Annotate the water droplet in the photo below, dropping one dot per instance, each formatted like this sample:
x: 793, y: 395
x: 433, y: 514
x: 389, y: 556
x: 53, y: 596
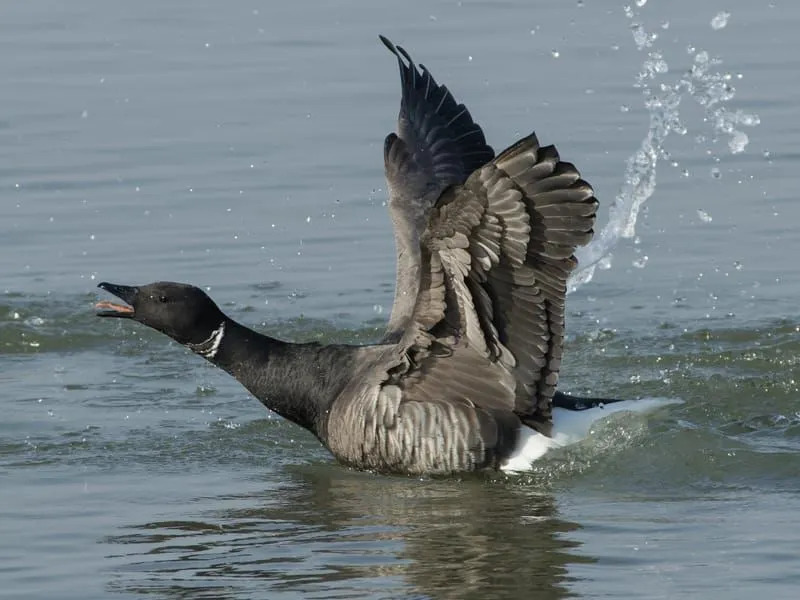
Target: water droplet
x: 555, y: 53
x: 715, y: 172
x: 737, y: 265
x: 640, y: 37
x: 624, y: 108
x: 720, y: 20
x: 641, y: 262
x: 704, y: 216
x: 738, y: 142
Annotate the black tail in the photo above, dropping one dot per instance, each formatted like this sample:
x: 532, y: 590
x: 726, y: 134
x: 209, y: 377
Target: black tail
x: 568, y: 402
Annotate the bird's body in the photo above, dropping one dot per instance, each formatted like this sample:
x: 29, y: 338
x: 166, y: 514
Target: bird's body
x: 465, y: 377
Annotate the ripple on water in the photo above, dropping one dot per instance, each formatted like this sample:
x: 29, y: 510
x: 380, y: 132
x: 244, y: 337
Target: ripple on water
x: 257, y: 503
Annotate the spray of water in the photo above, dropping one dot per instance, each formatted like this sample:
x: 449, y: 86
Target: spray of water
x: 703, y: 83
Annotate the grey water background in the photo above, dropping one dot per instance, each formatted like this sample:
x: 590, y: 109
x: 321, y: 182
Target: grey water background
x: 238, y: 146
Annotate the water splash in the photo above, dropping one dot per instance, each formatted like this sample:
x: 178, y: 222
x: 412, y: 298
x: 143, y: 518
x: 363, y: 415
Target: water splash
x: 704, y: 84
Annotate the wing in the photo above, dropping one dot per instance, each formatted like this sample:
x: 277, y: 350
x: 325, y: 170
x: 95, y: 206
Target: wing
x: 437, y: 144
x: 495, y: 258
x: 484, y: 348
x: 411, y: 417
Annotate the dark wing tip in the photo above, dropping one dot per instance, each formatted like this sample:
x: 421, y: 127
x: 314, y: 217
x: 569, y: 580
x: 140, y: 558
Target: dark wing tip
x: 398, y: 51
x: 407, y: 56
x: 446, y: 143
x: 388, y: 43
x: 408, y: 70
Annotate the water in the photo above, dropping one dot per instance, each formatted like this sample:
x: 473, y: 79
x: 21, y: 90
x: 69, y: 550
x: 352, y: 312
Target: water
x: 239, y: 148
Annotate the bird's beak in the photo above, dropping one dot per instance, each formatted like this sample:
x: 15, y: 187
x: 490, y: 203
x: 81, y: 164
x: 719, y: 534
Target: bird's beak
x: 123, y: 292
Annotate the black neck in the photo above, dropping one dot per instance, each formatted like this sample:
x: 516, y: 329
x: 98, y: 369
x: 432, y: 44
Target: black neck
x: 297, y: 381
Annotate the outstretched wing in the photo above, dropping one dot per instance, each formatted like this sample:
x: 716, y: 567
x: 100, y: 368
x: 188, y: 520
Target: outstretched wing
x: 496, y: 256
x: 483, y: 350
x: 437, y: 144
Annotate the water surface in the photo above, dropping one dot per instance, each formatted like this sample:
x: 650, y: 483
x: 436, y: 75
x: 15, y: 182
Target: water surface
x: 239, y: 148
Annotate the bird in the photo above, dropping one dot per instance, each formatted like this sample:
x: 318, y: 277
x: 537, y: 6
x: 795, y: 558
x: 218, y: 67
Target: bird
x: 465, y: 377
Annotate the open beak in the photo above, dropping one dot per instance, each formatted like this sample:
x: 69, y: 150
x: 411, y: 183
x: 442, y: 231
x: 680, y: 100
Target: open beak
x: 110, y: 309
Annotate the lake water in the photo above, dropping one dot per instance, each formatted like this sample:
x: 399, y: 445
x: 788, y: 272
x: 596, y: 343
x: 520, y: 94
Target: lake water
x: 238, y: 146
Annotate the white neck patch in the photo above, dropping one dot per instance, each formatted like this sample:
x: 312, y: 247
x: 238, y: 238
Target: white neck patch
x: 210, y: 347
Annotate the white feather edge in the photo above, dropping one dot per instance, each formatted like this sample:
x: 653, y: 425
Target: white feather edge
x: 571, y: 427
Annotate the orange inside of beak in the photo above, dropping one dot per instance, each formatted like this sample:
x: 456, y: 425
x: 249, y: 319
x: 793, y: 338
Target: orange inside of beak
x: 120, y: 308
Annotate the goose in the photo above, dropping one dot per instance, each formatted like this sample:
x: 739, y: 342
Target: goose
x: 465, y: 377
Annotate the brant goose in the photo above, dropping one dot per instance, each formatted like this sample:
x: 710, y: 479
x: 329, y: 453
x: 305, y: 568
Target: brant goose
x: 465, y: 377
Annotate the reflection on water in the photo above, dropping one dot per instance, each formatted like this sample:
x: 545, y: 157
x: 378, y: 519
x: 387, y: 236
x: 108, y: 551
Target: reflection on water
x: 336, y: 533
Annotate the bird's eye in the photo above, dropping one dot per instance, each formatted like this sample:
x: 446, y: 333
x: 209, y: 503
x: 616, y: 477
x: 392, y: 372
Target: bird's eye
x: 163, y: 299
